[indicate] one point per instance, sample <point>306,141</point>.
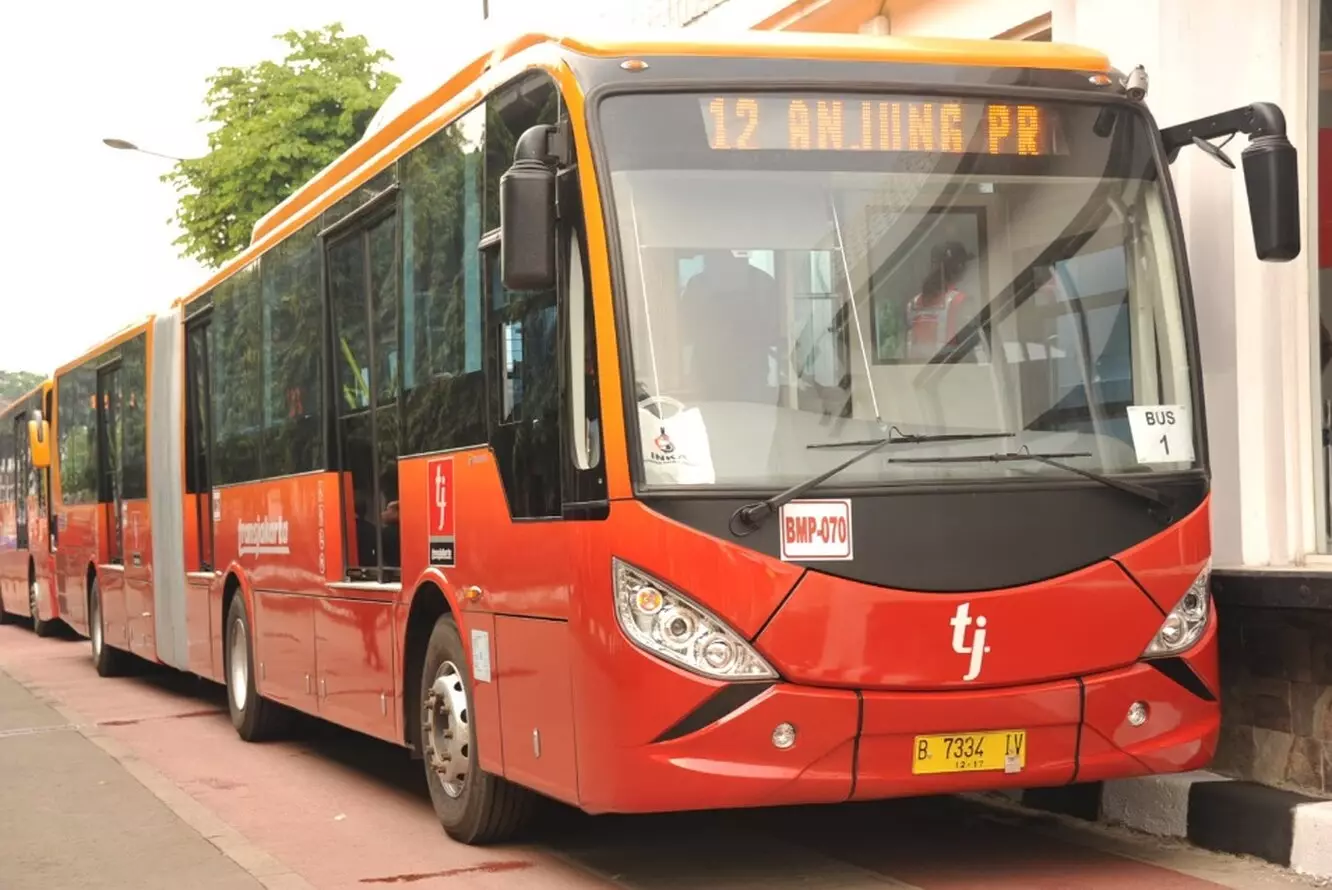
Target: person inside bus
<point>934,315</point>
<point>732,314</point>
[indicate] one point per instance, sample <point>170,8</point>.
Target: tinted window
<point>509,114</point>
<point>292,360</point>
<point>443,382</point>
<point>522,328</point>
<point>134,417</point>
<point>237,378</point>
<point>76,435</point>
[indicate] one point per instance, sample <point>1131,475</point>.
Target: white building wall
<point>1257,320</point>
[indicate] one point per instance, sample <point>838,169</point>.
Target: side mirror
<point>1272,180</point>
<point>1271,174</point>
<point>39,441</point>
<point>527,215</point>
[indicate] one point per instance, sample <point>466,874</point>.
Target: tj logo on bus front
<point>960,622</point>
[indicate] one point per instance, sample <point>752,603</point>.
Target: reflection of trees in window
<point>293,436</point>
<point>444,389</point>
<point>237,377</point>
<point>510,113</point>
<point>75,442</point>
<point>133,407</point>
<point>522,332</point>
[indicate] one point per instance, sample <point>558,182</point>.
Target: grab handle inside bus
<point>1271,171</point>
<point>527,214</point>
<point>39,441</point>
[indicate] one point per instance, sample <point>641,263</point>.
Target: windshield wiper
<point>751,516</point>
<point>1134,488</point>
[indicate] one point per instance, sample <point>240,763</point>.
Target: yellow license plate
<point>965,752</point>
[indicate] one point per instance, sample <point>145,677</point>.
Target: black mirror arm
<point>548,144</point>
<point>1258,119</point>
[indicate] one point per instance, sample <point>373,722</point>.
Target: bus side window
<point>523,362</point>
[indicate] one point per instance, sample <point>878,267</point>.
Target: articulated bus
<point>27,548</point>
<point>688,423</point>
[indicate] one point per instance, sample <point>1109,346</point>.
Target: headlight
<point>1186,622</point>
<point>667,624</point>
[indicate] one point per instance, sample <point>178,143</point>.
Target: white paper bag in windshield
<point>675,445</point>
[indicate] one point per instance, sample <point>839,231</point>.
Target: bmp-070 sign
<point>816,530</point>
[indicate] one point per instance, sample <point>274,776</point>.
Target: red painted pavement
<point>348,812</point>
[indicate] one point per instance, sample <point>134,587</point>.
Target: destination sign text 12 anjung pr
<point>769,122</point>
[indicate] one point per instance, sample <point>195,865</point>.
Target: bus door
<point>110,436</point>
<point>362,295</point>
<point>22,474</point>
<point>199,439</point>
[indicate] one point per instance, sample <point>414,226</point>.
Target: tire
<point>256,718</point>
<point>474,806</point>
<point>5,617</point>
<point>109,661</point>
<point>39,627</point>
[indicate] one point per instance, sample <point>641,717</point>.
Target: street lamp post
<point>125,145</point>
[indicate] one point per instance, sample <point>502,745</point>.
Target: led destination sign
<point>879,124</point>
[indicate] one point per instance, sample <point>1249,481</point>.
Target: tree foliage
<point>16,383</point>
<point>278,124</point>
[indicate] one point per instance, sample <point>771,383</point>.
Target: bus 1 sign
<point>816,530</point>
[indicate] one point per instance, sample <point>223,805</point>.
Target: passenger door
<point>353,627</point>
<point>22,473</point>
<point>200,617</point>
<point>110,497</point>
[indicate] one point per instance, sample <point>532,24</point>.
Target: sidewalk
<point>73,817</point>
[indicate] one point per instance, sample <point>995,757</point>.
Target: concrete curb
<point>1209,811</point>
<point>268,871</point>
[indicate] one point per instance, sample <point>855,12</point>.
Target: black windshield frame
<point>925,80</point>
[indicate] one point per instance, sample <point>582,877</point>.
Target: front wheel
<point>109,661</point>
<point>39,627</point>
<point>474,806</point>
<point>256,719</point>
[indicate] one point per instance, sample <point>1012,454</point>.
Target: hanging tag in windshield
<point>816,530</point>
<point>1161,433</point>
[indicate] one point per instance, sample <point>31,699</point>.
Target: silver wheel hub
<point>447,732</point>
<point>32,599</point>
<point>238,666</point>
<point>95,622</point>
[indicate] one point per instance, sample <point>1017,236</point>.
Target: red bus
<point>692,423</point>
<point>27,570</point>
<point>112,581</point>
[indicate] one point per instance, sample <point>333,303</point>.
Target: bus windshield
<point>804,272</point>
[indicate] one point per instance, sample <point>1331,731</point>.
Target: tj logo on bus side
<point>960,622</point>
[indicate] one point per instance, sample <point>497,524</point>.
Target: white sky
<point>85,241</point>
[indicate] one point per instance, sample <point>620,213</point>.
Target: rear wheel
<point>40,627</point>
<point>108,660</point>
<point>474,806</point>
<point>256,719</point>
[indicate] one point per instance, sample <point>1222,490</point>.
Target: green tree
<point>278,124</point>
<point>16,383</point>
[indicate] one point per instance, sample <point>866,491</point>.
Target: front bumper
<point>858,745</point>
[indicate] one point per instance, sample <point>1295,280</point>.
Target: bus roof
<point>356,160</point>
<point>111,342</point>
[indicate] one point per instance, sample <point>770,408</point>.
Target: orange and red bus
<point>689,423</point>
<point>27,572</point>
